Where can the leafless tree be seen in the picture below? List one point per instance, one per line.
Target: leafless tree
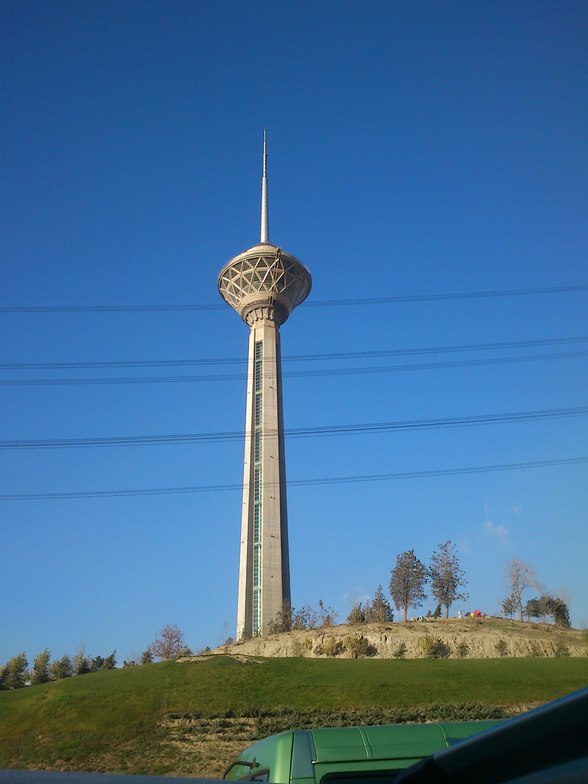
(169, 644)
(520, 577)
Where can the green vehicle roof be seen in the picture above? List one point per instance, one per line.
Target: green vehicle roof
(308, 755)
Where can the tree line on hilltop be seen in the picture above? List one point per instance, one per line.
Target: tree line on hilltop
(411, 581)
(15, 673)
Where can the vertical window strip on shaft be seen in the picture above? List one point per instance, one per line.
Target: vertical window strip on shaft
(257, 490)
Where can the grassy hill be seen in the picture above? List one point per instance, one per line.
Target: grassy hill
(191, 718)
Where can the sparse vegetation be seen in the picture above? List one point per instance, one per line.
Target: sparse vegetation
(288, 619)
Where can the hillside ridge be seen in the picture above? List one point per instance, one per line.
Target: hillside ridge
(476, 638)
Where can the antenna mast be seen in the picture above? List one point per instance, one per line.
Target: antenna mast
(264, 210)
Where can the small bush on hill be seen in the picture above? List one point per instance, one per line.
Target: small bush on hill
(356, 615)
(359, 647)
(433, 648)
(501, 648)
(535, 651)
(462, 649)
(332, 647)
(561, 649)
(400, 651)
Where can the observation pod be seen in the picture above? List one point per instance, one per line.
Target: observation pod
(263, 284)
(264, 276)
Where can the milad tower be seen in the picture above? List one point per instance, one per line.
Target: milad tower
(263, 284)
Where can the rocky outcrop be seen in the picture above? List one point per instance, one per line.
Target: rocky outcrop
(477, 638)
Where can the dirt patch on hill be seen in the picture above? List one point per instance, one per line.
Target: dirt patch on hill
(475, 638)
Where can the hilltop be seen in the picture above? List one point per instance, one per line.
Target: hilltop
(478, 638)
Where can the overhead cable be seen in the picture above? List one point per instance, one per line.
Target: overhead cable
(41, 382)
(436, 472)
(446, 349)
(301, 432)
(392, 300)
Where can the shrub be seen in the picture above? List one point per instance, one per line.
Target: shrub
(561, 649)
(433, 648)
(326, 616)
(296, 648)
(535, 650)
(462, 649)
(501, 648)
(356, 615)
(333, 647)
(400, 651)
(359, 647)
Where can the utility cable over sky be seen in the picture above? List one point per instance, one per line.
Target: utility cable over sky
(434, 472)
(392, 300)
(300, 432)
(299, 357)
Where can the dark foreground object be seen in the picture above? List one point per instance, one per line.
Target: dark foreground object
(544, 746)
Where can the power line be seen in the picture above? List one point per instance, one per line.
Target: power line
(301, 432)
(445, 349)
(440, 472)
(393, 300)
(40, 382)
(400, 300)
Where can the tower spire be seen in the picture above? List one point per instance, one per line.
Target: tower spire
(264, 210)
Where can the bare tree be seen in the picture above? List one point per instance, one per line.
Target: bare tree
(326, 615)
(283, 620)
(407, 582)
(520, 577)
(447, 576)
(169, 644)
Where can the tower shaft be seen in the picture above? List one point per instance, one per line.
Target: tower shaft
(264, 574)
(263, 284)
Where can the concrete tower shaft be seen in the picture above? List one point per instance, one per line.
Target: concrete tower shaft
(264, 285)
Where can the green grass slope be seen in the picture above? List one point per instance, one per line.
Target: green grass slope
(192, 718)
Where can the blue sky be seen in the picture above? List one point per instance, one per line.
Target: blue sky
(414, 148)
